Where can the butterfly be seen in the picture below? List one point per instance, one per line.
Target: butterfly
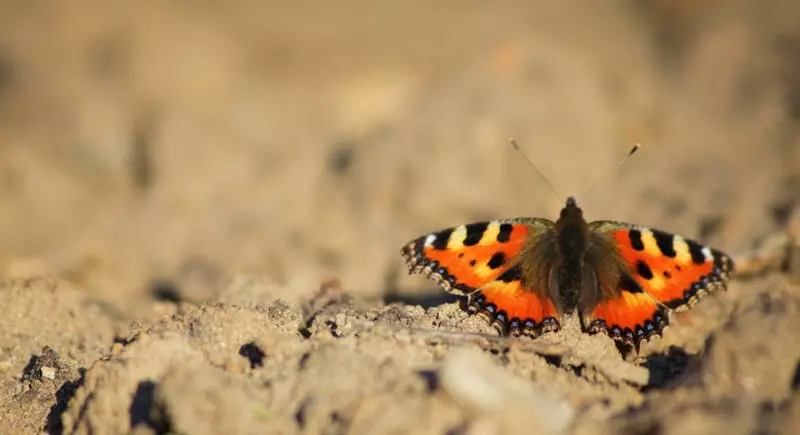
(525, 274)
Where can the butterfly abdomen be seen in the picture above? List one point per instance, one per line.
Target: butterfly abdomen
(569, 284)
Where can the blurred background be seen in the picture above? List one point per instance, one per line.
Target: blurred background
(171, 146)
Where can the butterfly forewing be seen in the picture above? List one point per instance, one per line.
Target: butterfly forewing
(478, 259)
(464, 258)
(676, 271)
(668, 271)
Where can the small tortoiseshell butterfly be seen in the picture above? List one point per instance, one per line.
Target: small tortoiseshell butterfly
(525, 273)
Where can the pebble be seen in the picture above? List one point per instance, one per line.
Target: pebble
(234, 367)
(476, 382)
(48, 372)
(116, 349)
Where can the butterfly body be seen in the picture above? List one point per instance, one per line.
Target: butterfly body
(525, 274)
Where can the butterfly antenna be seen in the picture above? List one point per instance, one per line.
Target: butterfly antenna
(614, 170)
(530, 162)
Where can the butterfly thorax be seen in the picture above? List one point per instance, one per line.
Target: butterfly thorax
(572, 265)
(572, 233)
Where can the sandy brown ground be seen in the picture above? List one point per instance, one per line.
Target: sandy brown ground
(202, 206)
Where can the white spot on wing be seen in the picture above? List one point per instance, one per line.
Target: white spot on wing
(707, 252)
(430, 239)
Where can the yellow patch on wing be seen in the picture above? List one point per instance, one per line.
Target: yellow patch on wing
(484, 271)
(490, 235)
(457, 237)
(655, 283)
(650, 245)
(682, 254)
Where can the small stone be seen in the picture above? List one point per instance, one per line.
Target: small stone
(116, 349)
(403, 337)
(48, 372)
(473, 380)
(234, 367)
(622, 371)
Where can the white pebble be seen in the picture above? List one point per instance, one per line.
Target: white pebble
(48, 372)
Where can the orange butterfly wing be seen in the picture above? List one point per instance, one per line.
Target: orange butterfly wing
(668, 271)
(632, 317)
(476, 260)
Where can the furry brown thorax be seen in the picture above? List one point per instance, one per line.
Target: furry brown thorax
(573, 263)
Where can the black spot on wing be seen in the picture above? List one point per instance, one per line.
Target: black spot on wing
(497, 260)
(627, 283)
(475, 233)
(504, 235)
(512, 274)
(441, 239)
(473, 262)
(665, 244)
(644, 270)
(636, 239)
(667, 275)
(697, 252)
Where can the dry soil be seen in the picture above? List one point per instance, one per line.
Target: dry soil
(202, 207)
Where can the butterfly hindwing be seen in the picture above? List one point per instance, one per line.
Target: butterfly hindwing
(478, 260)
(631, 317)
(515, 308)
(665, 271)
